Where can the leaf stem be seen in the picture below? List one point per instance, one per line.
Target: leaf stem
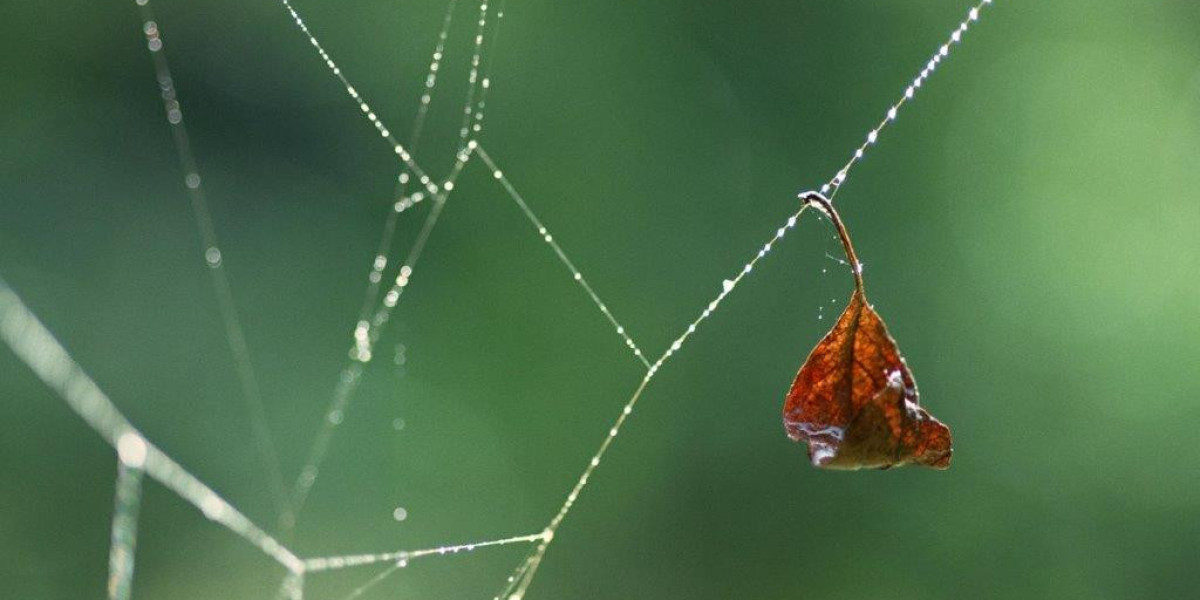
(822, 203)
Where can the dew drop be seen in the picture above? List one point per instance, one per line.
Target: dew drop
(131, 448)
(212, 256)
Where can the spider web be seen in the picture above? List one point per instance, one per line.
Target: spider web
(138, 456)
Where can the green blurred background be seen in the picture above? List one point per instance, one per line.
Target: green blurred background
(1030, 228)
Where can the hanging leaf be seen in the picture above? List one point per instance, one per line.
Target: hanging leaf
(854, 402)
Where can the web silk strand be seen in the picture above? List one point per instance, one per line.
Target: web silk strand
(34, 345)
(516, 587)
(370, 325)
(214, 259)
(368, 332)
(399, 149)
(516, 197)
(831, 188)
(366, 335)
(31, 342)
(401, 201)
(124, 531)
(38, 349)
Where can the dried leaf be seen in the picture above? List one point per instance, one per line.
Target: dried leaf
(854, 401)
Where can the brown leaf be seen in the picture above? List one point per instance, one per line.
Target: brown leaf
(855, 402)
